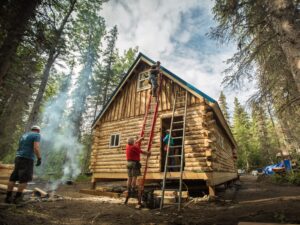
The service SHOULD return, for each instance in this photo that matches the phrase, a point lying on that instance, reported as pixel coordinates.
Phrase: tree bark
(25, 10)
(288, 31)
(54, 52)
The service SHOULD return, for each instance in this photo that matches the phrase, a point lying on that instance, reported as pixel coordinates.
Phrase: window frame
(110, 140)
(148, 86)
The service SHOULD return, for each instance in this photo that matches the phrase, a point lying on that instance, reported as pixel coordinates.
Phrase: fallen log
(3, 188)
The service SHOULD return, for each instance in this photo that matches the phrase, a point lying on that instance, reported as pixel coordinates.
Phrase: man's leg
(19, 195)
(11, 185)
(153, 85)
(10, 188)
(21, 187)
(129, 181)
(133, 183)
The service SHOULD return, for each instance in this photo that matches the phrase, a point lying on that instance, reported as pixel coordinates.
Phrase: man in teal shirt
(29, 146)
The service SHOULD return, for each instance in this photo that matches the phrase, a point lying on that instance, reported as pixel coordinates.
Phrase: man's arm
(139, 140)
(36, 148)
(145, 153)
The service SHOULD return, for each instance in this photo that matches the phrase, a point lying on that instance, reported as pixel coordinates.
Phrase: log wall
(5, 172)
(125, 117)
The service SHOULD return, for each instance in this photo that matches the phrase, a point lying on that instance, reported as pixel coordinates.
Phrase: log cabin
(209, 146)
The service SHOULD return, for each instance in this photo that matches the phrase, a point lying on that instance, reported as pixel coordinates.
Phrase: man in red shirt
(133, 153)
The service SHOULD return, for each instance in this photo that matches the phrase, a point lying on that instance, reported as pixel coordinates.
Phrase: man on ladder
(153, 78)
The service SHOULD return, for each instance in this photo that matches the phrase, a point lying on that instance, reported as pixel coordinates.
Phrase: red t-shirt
(133, 152)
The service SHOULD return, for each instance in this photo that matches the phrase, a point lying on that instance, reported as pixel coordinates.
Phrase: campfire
(40, 195)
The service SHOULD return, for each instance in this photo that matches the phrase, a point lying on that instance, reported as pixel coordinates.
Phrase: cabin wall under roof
(125, 117)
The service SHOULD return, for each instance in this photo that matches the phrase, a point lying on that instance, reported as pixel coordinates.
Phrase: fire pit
(40, 195)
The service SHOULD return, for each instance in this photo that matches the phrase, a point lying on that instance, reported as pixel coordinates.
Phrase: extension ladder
(148, 131)
(175, 126)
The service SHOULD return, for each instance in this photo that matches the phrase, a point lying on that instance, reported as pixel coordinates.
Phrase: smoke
(60, 146)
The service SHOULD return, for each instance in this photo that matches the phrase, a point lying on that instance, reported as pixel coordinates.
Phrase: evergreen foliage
(267, 36)
(224, 107)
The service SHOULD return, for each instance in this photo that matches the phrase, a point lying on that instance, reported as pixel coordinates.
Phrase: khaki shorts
(133, 168)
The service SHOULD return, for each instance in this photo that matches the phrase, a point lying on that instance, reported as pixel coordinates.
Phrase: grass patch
(289, 178)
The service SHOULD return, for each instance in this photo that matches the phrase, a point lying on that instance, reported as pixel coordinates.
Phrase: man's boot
(18, 198)
(8, 198)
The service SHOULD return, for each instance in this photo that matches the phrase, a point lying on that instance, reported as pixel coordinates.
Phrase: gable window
(114, 140)
(143, 82)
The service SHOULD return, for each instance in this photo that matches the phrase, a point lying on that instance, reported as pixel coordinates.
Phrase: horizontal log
(120, 170)
(6, 166)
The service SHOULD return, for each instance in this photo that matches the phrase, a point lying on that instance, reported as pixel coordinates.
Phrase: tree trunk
(283, 21)
(54, 52)
(25, 10)
(33, 116)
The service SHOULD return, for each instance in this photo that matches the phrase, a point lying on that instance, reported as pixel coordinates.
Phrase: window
(114, 140)
(143, 82)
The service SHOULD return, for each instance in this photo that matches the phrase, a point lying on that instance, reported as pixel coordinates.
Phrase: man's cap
(35, 127)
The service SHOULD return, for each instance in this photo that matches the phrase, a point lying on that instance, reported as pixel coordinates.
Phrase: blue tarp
(287, 164)
(268, 169)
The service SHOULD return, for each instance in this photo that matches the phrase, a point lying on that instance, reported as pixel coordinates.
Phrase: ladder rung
(171, 189)
(174, 156)
(175, 146)
(173, 178)
(176, 166)
(178, 129)
(177, 137)
(178, 122)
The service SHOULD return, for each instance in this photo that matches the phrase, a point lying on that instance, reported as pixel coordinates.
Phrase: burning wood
(41, 193)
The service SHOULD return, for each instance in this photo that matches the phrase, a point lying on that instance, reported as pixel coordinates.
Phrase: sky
(174, 32)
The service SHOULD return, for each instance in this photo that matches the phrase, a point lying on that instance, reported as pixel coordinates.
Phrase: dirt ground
(249, 201)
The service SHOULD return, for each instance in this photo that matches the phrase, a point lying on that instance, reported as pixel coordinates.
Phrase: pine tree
(241, 128)
(106, 78)
(261, 135)
(89, 29)
(15, 19)
(268, 58)
(56, 46)
(224, 107)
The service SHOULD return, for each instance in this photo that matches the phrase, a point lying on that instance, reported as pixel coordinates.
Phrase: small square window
(114, 140)
(143, 80)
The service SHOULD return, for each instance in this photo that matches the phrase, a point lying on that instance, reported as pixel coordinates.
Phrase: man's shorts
(133, 168)
(23, 170)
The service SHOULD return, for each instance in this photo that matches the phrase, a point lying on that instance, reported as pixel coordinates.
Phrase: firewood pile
(40, 195)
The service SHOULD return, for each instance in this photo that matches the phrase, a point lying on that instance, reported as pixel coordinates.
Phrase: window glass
(114, 140)
(117, 140)
(143, 82)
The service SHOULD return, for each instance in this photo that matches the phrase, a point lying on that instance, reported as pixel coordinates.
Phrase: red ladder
(149, 122)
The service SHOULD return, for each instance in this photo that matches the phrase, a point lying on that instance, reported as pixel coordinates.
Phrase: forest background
(59, 65)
